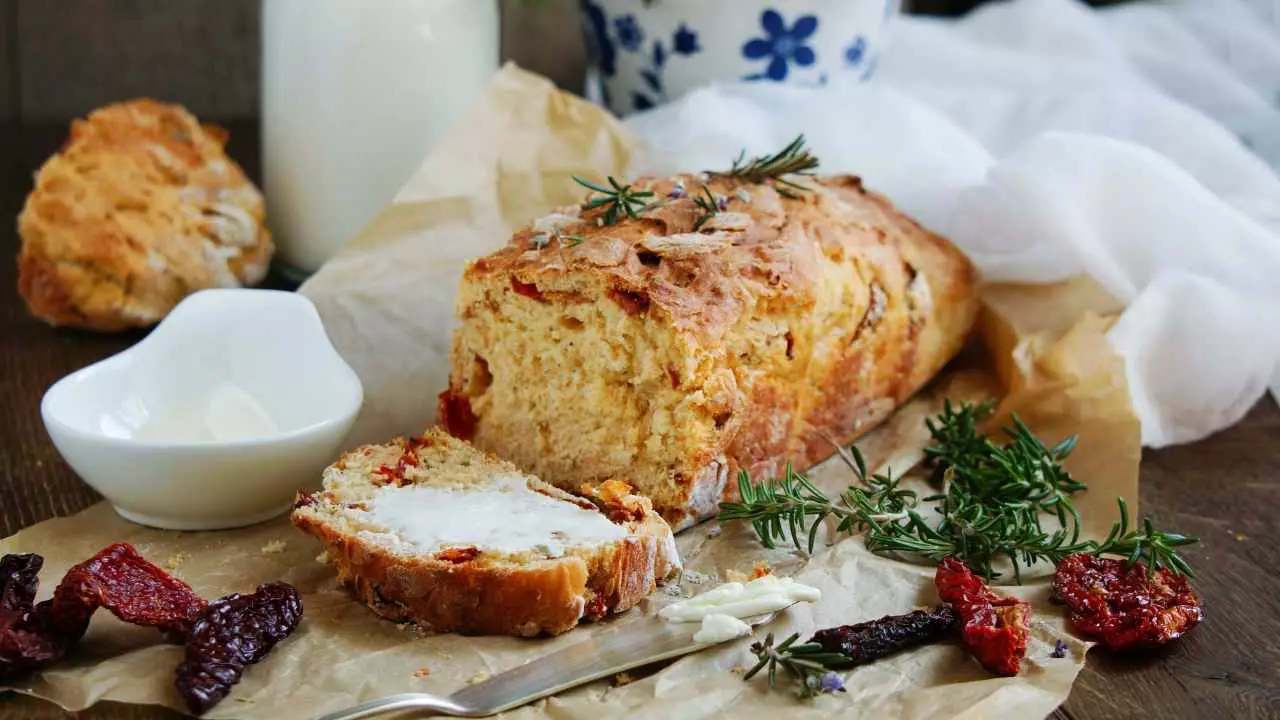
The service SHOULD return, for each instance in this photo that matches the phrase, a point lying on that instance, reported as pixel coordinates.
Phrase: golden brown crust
(779, 325)
(476, 592)
(139, 208)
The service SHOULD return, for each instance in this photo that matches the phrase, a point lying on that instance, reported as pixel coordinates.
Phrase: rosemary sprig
(618, 200)
(794, 159)
(808, 664)
(994, 503)
(709, 204)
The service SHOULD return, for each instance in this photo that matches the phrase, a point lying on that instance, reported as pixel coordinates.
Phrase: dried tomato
(25, 644)
(230, 634)
(456, 414)
(134, 590)
(1123, 607)
(874, 639)
(993, 629)
(597, 606)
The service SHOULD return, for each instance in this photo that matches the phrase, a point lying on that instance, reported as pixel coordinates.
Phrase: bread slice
(433, 531)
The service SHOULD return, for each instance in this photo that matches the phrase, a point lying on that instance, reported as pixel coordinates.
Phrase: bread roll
(139, 208)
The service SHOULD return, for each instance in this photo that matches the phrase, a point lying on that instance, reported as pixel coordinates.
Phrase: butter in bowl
(215, 419)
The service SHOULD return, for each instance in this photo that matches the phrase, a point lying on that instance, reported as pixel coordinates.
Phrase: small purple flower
(854, 53)
(782, 45)
(676, 193)
(1059, 649)
(722, 202)
(685, 41)
(831, 683)
(630, 36)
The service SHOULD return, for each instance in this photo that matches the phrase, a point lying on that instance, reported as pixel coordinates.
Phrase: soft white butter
(718, 627)
(762, 595)
(503, 516)
(227, 413)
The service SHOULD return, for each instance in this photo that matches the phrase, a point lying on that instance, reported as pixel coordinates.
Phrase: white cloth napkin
(1138, 144)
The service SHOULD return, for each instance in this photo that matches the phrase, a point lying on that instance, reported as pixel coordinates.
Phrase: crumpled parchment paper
(387, 304)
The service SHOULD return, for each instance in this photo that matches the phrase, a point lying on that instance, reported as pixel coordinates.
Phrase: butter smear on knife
(742, 600)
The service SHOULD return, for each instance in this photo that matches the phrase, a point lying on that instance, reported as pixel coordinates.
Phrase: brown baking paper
(387, 304)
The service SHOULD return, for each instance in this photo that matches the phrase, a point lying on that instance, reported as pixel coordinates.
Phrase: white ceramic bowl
(120, 422)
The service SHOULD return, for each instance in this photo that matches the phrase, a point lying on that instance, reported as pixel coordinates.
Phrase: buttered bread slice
(433, 531)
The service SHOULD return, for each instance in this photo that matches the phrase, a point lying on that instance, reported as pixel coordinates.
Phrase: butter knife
(624, 645)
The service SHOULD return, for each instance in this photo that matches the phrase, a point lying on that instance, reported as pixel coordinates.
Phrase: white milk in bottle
(354, 94)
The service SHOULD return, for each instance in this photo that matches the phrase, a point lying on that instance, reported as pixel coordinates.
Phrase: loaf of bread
(139, 208)
(676, 348)
(433, 531)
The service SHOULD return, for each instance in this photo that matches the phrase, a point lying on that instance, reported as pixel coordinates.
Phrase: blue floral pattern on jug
(685, 42)
(630, 36)
(596, 32)
(781, 45)
(855, 53)
(647, 61)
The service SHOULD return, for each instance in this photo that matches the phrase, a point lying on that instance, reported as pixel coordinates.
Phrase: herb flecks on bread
(734, 321)
(434, 531)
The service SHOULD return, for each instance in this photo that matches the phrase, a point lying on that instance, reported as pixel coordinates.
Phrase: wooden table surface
(1222, 490)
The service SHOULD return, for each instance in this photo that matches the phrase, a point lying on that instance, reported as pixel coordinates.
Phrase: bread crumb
(738, 670)
(175, 561)
(622, 678)
(673, 590)
(1241, 537)
(274, 547)
(479, 677)
(323, 558)
(760, 570)
(422, 672)
(713, 531)
(694, 577)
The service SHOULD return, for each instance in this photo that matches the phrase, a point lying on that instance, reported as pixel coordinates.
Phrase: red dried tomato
(455, 413)
(993, 629)
(117, 579)
(25, 643)
(1123, 607)
(134, 590)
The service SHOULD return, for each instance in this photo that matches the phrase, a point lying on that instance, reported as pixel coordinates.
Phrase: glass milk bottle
(354, 95)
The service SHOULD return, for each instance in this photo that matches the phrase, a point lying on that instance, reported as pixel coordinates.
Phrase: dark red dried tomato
(19, 580)
(869, 641)
(25, 645)
(230, 634)
(528, 290)
(134, 590)
(456, 415)
(635, 303)
(993, 629)
(1122, 607)
(595, 609)
(458, 555)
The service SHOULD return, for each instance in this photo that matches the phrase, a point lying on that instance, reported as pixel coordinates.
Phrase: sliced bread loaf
(434, 531)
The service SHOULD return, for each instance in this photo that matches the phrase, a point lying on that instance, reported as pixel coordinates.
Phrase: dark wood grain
(1222, 489)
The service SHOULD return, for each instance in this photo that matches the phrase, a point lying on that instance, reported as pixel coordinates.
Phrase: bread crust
(139, 208)
(483, 595)
(760, 337)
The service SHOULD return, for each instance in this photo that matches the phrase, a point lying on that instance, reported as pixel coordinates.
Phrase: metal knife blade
(623, 646)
